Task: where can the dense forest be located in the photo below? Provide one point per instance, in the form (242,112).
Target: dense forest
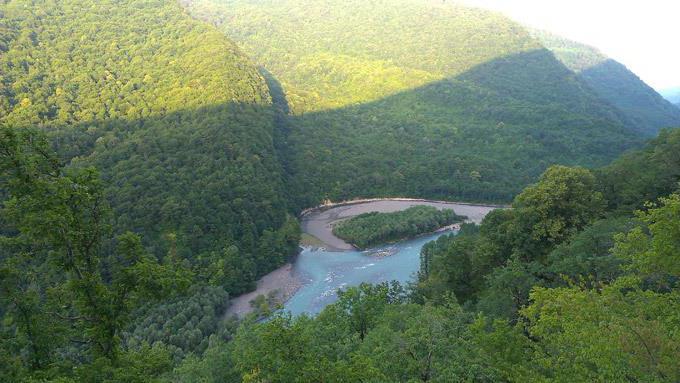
(178,121)
(182,129)
(641,104)
(567,286)
(152,165)
(571,284)
(370,229)
(419,98)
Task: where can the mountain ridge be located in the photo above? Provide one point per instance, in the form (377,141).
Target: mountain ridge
(645,107)
(332,62)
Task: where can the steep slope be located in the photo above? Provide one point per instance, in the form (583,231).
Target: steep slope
(643,175)
(177,119)
(417,97)
(340,53)
(648,110)
(672,95)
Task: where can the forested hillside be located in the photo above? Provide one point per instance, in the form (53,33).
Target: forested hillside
(177,119)
(537,243)
(567,286)
(152,163)
(419,98)
(641,104)
(188,206)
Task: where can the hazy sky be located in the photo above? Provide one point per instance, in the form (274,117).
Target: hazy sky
(643,35)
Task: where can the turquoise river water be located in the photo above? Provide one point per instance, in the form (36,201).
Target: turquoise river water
(324,272)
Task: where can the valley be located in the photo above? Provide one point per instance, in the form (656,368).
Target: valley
(167,167)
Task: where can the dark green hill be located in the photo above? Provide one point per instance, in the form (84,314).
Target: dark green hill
(178,120)
(643,175)
(450,139)
(647,109)
(419,98)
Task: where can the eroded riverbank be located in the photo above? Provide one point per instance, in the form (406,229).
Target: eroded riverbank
(282,283)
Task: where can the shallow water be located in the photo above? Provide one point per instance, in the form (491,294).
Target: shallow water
(324,272)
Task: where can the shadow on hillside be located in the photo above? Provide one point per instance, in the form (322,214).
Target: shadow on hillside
(480,136)
(642,105)
(232,171)
(211,174)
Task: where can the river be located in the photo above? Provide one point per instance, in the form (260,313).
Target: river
(310,284)
(323,272)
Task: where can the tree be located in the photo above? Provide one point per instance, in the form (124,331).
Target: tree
(426,344)
(624,331)
(360,307)
(62,214)
(657,252)
(561,203)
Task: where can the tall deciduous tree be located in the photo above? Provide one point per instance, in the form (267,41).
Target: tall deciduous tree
(562,202)
(62,213)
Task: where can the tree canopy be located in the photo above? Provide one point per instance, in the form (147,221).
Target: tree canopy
(151,166)
(177,120)
(370,229)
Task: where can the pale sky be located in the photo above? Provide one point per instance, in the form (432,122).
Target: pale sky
(643,35)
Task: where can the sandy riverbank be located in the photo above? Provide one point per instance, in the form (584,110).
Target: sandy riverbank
(282,282)
(319,222)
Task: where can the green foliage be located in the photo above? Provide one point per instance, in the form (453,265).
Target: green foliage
(360,46)
(562,203)
(30,334)
(644,175)
(58,220)
(458,273)
(179,122)
(418,98)
(627,330)
(502,261)
(361,307)
(617,328)
(370,334)
(237,271)
(586,258)
(612,336)
(370,229)
(204,157)
(603,304)
(148,364)
(183,324)
(216,365)
(643,106)
(574,313)
(659,251)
